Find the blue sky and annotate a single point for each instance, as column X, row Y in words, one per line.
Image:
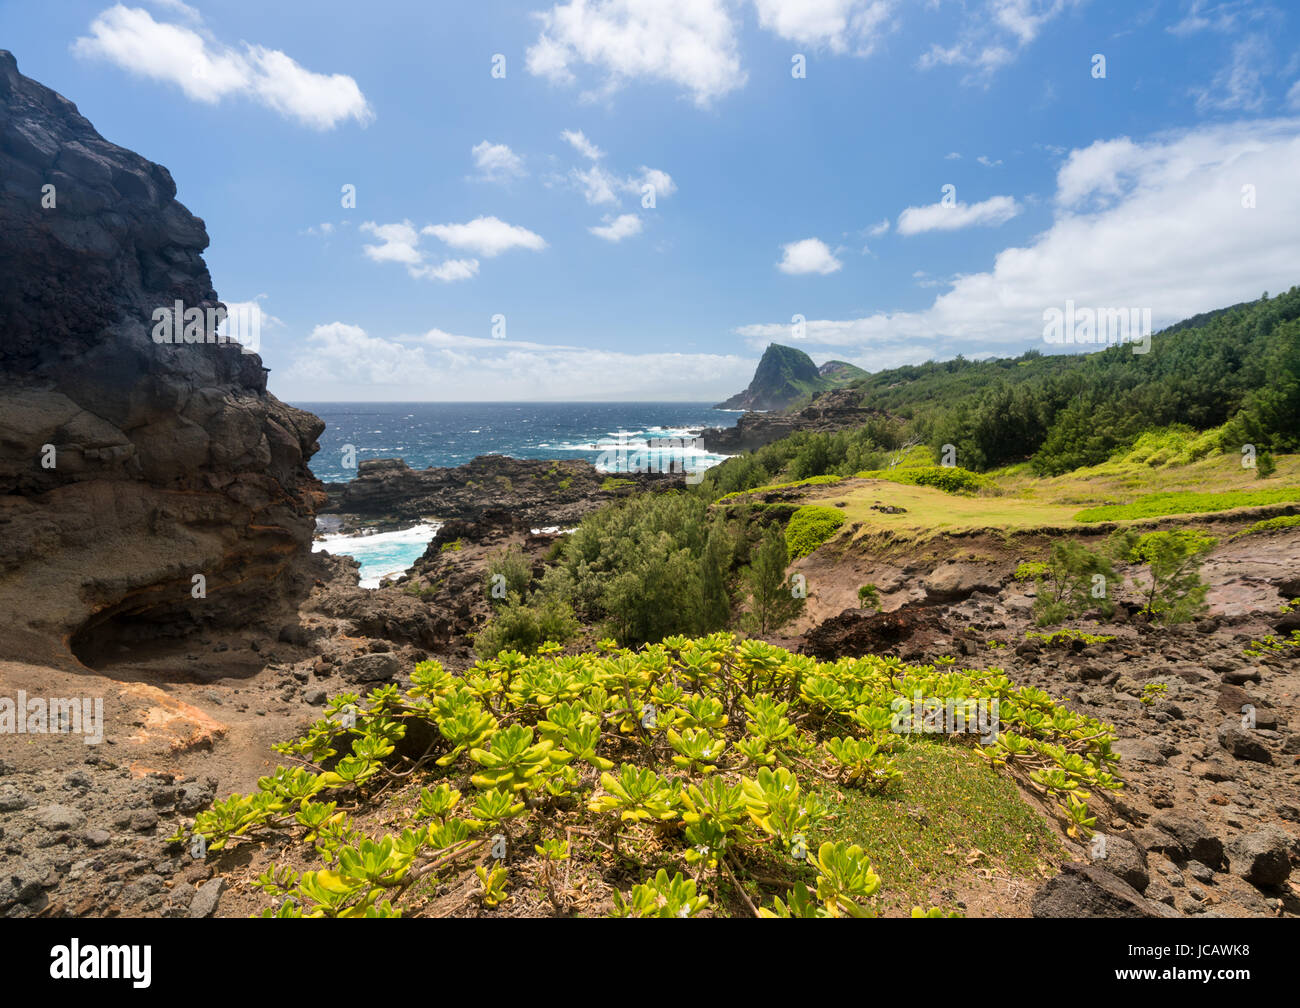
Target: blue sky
column 1169, row 183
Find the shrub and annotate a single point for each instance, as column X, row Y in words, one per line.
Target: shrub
column 514, row 568
column 809, row 527
column 518, row 626
column 405, row 796
column 1076, row 580
column 1271, row 525
column 1029, row 570
column 1264, row 465
column 654, row 565
column 1173, row 558
column 949, row 479
column 869, row 597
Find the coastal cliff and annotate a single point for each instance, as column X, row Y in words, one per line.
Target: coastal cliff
column 146, row 490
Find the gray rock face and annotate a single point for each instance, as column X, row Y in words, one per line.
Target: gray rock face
column 1263, row 858
column 207, row 897
column 126, row 466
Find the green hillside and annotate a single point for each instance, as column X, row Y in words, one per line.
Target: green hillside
column 1233, row 374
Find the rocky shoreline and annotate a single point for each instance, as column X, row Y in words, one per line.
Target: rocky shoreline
column 836, row 410
column 387, row 493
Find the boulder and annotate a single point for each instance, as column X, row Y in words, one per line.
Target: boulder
column 1262, row 858
column 1189, row 839
column 1088, row 890
column 950, row 582
column 1243, row 743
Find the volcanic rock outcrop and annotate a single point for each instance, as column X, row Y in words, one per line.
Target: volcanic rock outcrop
column 541, row 491
column 127, row 467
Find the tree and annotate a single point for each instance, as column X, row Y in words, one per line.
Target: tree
column 1076, row 580
column 1176, row 593
column 772, row 601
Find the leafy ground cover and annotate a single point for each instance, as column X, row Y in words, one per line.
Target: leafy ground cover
column 704, row 776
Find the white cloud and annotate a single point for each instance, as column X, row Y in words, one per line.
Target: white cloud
column 497, row 162
column 1200, row 16
column 810, row 255
column 622, row 226
column 952, row 156
column 993, row 35
column 937, row 217
column 988, row 162
column 339, row 361
column 688, row 43
column 209, row 71
column 877, row 230
column 1155, row 224
column 579, row 142
column 660, row 181
column 397, row 243
column 1239, row 85
column 598, row 186
column 488, row 236
column 839, row 25
column 449, row 270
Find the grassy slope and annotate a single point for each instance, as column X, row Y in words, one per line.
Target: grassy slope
column 1027, row 502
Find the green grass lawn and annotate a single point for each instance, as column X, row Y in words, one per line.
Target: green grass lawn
column 949, row 817
column 1017, row 500
column 1189, row 502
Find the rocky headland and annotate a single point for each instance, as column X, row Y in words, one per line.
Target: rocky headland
column 838, row 409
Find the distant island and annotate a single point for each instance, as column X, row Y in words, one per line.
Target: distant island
column 787, row 377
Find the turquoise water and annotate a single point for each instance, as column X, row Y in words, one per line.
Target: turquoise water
column 384, row 554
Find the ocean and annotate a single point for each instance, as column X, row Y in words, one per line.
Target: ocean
column 449, row 434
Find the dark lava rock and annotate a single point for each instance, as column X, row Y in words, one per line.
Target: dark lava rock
column 1263, row 858
column 1190, row 838
column 1087, row 890
column 372, row 668
column 854, row 633
column 1126, row 860
column 1243, row 744
column 206, row 471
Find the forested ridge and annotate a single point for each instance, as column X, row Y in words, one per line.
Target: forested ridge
column 1236, row 370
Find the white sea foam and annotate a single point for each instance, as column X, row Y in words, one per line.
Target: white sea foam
column 381, row 554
